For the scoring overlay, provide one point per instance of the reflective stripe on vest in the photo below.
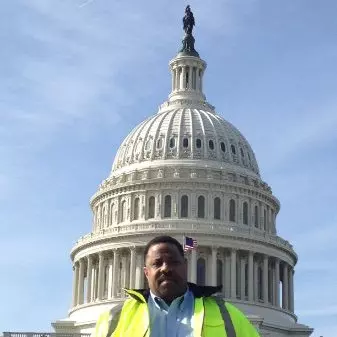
(134, 318)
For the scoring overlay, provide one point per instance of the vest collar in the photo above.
(142, 295)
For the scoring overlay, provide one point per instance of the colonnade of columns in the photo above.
(187, 78)
(245, 275)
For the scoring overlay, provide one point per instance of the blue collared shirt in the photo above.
(174, 320)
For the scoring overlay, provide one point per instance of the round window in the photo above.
(211, 144)
(198, 143)
(223, 147)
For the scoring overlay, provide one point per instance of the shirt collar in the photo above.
(161, 304)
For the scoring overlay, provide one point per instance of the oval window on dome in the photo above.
(233, 149)
(242, 153)
(223, 147)
(148, 145)
(185, 142)
(172, 142)
(211, 144)
(248, 157)
(198, 143)
(159, 143)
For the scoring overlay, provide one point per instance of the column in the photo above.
(177, 79)
(243, 278)
(100, 275)
(285, 288)
(197, 79)
(139, 270)
(265, 279)
(89, 277)
(183, 79)
(189, 87)
(80, 282)
(75, 284)
(256, 284)
(173, 79)
(115, 273)
(277, 282)
(233, 273)
(132, 267)
(214, 269)
(291, 289)
(194, 265)
(251, 276)
(227, 275)
(110, 277)
(124, 272)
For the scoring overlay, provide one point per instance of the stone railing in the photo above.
(43, 334)
(217, 229)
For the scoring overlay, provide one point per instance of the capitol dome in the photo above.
(185, 171)
(186, 133)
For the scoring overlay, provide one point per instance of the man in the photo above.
(172, 307)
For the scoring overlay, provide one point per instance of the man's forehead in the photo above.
(163, 249)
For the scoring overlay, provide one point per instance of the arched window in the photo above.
(198, 143)
(123, 211)
(201, 206)
(151, 207)
(148, 145)
(167, 206)
(184, 206)
(201, 272)
(172, 142)
(223, 147)
(256, 217)
(233, 149)
(217, 212)
(245, 213)
(232, 210)
(159, 143)
(219, 272)
(136, 209)
(211, 144)
(185, 142)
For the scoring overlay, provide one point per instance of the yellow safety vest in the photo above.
(207, 320)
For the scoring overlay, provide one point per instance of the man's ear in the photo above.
(146, 271)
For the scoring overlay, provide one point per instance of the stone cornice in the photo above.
(250, 191)
(233, 233)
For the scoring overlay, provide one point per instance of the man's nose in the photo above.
(166, 267)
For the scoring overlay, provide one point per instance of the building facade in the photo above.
(187, 171)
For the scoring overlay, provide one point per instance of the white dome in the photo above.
(186, 133)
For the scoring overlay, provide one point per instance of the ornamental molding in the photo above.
(110, 191)
(233, 233)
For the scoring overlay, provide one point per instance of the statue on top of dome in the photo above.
(188, 41)
(188, 20)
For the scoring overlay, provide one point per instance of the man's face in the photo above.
(166, 271)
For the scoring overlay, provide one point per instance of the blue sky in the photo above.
(78, 75)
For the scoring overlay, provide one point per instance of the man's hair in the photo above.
(163, 239)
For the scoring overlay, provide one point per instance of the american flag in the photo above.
(189, 243)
